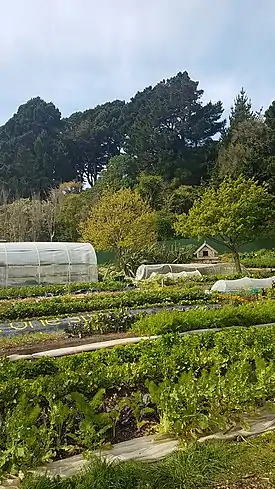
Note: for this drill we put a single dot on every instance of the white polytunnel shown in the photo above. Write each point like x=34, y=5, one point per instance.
x=144, y=272
x=36, y=263
x=245, y=283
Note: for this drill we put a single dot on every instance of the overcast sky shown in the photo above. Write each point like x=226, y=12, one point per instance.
x=79, y=53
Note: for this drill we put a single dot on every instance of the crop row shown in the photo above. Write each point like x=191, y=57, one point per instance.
x=177, y=321
x=49, y=290
x=53, y=290
x=54, y=407
x=169, y=321
x=70, y=305
x=260, y=259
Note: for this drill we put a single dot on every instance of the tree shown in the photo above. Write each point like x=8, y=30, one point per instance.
x=120, y=222
x=74, y=208
x=181, y=199
x=94, y=137
x=121, y=171
x=241, y=110
x=239, y=150
x=234, y=213
x=171, y=131
x=248, y=151
x=151, y=189
x=33, y=156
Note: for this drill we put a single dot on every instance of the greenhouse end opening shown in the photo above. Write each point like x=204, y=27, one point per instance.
x=47, y=263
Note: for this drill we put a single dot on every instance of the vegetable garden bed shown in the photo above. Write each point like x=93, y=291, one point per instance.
x=51, y=408
x=10, y=310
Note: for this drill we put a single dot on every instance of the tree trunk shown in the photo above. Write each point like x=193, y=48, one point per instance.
x=236, y=257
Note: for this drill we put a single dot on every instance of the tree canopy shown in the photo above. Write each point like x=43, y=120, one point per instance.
x=234, y=213
x=120, y=221
x=165, y=130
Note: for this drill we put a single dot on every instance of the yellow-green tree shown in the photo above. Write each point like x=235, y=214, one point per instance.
x=120, y=222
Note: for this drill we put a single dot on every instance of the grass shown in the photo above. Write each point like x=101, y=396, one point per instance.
x=245, y=465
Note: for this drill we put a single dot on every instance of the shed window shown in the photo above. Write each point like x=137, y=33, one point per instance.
x=205, y=253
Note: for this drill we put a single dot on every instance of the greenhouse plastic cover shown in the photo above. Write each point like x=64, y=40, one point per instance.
x=47, y=263
x=175, y=276
x=245, y=283
x=145, y=271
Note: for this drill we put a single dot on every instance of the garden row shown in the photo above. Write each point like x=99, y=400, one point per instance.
x=53, y=290
x=51, y=408
x=169, y=321
x=107, y=286
x=260, y=259
x=71, y=304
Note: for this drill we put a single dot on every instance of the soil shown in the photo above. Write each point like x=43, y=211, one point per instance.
x=248, y=482
x=62, y=342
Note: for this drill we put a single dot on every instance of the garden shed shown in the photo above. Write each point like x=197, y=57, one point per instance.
x=36, y=263
x=206, y=253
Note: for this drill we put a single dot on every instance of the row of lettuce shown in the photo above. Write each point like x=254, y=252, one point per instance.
x=187, y=385
x=173, y=321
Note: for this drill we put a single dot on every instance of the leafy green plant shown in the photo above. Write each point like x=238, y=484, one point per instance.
x=54, y=290
x=259, y=259
x=109, y=322
x=70, y=304
x=93, y=423
x=202, y=318
x=53, y=407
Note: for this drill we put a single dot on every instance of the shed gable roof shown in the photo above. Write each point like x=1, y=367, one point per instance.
x=205, y=245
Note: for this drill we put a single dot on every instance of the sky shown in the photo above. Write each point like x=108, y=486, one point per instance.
x=80, y=53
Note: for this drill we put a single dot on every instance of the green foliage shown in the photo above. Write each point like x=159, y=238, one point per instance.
x=121, y=172
x=234, y=213
x=259, y=259
x=33, y=154
x=151, y=189
x=110, y=322
x=51, y=407
x=94, y=137
x=69, y=304
x=248, y=152
x=171, y=130
x=52, y=290
x=181, y=199
x=120, y=222
x=74, y=208
x=202, y=318
x=241, y=110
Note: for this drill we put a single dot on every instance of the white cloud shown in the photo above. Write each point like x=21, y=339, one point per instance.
x=82, y=52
